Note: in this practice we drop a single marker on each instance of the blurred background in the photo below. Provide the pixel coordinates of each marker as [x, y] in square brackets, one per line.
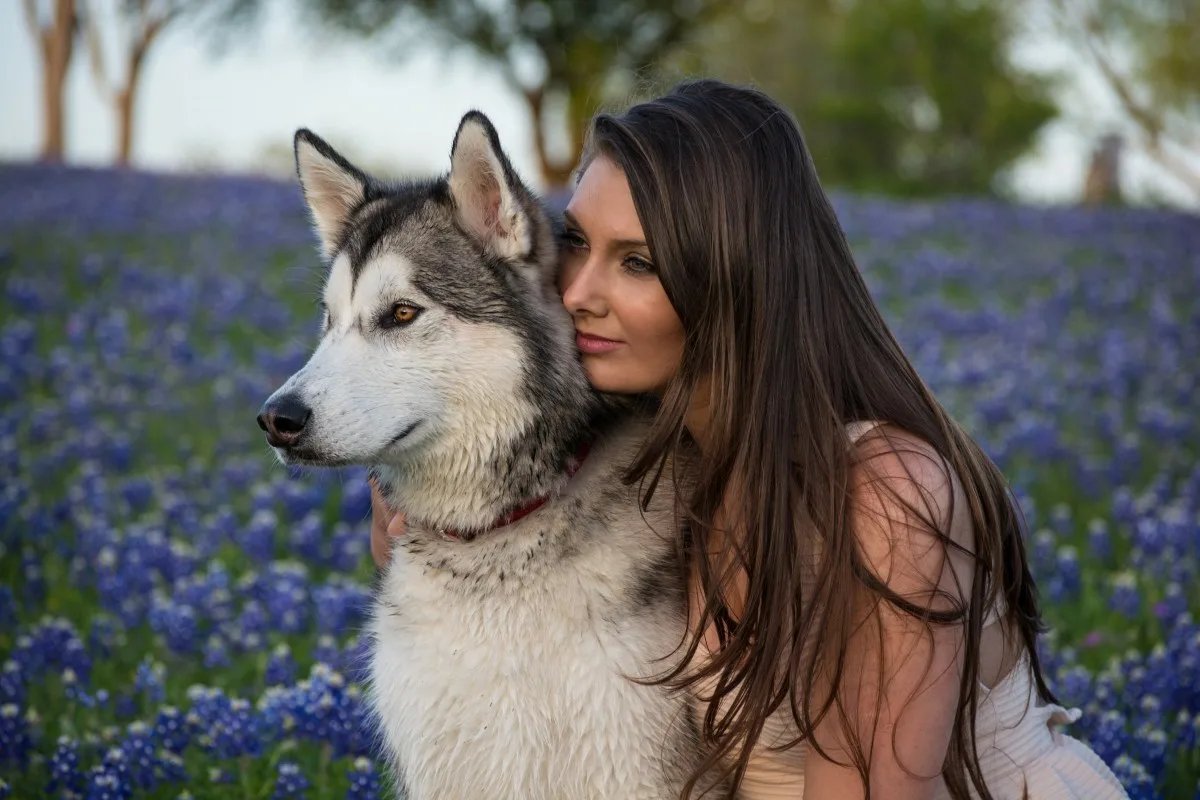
[183, 619]
[1048, 101]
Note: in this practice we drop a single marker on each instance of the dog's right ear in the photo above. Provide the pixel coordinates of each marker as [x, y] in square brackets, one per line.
[333, 188]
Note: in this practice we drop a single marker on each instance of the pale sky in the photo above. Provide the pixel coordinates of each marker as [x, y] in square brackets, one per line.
[237, 112]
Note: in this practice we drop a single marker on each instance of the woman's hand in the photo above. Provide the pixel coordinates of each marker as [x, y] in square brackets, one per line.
[386, 524]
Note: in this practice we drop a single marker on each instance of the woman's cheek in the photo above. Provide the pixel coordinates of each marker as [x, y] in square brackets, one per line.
[564, 275]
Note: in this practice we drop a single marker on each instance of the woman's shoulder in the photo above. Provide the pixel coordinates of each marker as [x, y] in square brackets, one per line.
[888, 453]
[905, 498]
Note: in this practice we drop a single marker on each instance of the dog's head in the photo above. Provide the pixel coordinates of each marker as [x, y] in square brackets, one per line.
[442, 331]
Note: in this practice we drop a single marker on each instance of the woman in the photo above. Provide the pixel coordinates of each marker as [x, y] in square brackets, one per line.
[858, 579]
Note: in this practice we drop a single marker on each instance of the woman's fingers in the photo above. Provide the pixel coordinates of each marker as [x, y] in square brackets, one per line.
[381, 517]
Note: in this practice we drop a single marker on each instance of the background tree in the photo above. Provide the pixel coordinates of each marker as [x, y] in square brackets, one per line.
[138, 24]
[1147, 52]
[564, 57]
[54, 30]
[908, 97]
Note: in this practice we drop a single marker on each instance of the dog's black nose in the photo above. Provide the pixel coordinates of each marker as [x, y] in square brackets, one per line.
[283, 419]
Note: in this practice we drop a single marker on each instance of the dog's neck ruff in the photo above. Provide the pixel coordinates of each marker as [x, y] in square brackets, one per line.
[573, 465]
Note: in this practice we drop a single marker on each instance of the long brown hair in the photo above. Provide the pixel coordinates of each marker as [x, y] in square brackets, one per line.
[783, 337]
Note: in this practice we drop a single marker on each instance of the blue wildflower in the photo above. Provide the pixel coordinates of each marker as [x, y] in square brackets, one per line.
[1150, 748]
[281, 667]
[65, 774]
[1125, 598]
[326, 650]
[171, 729]
[16, 737]
[290, 782]
[12, 684]
[364, 780]
[139, 755]
[149, 680]
[215, 653]
[1134, 777]
[1110, 739]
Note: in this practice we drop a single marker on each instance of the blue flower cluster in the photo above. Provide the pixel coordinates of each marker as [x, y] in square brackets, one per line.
[178, 611]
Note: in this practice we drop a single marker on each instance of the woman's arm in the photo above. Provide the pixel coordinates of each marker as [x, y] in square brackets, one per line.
[912, 674]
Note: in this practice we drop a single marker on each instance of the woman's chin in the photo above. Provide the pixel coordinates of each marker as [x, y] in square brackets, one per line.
[604, 378]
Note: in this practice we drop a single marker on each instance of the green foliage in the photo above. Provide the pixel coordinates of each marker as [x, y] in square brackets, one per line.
[565, 57]
[907, 97]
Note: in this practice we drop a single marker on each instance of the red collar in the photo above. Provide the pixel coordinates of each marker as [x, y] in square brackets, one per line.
[573, 465]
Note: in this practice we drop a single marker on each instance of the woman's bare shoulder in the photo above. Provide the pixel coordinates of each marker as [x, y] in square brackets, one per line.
[905, 497]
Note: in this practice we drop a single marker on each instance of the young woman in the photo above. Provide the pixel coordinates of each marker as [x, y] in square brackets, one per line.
[863, 615]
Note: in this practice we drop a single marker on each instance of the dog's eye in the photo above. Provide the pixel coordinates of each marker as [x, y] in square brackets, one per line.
[403, 313]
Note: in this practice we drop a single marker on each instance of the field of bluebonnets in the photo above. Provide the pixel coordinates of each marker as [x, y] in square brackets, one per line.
[180, 616]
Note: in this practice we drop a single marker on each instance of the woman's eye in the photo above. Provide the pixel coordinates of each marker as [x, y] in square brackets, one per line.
[572, 240]
[638, 265]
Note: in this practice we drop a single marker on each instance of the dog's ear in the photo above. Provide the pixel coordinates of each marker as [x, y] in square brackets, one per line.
[489, 198]
[333, 188]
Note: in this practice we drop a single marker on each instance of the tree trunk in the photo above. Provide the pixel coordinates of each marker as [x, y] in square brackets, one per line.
[52, 113]
[1102, 185]
[124, 97]
[124, 103]
[55, 42]
[556, 174]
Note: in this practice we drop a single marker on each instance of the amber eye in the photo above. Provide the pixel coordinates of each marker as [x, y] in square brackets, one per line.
[403, 313]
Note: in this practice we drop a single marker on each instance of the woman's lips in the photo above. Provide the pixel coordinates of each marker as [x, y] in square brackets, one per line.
[595, 344]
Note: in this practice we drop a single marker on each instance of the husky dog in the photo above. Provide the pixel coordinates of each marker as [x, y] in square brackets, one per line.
[529, 588]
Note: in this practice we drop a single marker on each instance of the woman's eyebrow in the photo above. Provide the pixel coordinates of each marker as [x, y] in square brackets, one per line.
[615, 244]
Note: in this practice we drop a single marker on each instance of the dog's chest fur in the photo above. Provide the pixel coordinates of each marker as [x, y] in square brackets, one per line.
[499, 664]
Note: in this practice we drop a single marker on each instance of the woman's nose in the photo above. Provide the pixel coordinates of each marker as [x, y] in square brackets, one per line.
[583, 288]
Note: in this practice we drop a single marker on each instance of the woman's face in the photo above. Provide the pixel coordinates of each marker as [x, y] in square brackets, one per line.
[629, 336]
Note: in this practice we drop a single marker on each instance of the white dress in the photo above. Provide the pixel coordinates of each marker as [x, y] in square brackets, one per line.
[1019, 745]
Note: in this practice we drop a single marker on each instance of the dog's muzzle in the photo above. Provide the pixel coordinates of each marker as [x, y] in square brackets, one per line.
[284, 418]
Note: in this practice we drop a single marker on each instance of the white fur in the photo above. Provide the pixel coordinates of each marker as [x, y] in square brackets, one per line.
[514, 688]
[364, 386]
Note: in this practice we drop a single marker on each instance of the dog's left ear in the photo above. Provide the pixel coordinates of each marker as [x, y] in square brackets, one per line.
[488, 195]
[333, 188]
